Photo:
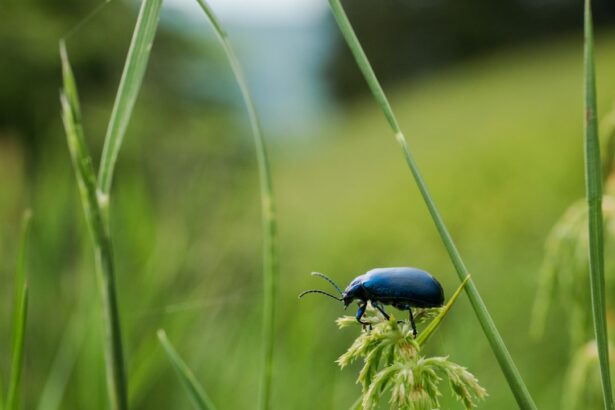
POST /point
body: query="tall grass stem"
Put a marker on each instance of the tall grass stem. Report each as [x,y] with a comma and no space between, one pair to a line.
[105,273]
[200,400]
[593,183]
[270,253]
[516,383]
[20,315]
[95,193]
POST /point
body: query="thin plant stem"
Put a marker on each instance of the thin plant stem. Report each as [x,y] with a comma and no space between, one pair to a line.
[20,304]
[95,194]
[593,183]
[200,400]
[516,383]
[433,325]
[270,253]
[105,273]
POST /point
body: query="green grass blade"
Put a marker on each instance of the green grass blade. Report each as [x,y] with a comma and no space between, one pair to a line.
[197,395]
[433,325]
[130,84]
[270,254]
[20,304]
[86,180]
[516,383]
[593,183]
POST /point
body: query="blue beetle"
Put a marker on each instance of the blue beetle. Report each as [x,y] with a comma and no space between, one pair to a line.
[403,288]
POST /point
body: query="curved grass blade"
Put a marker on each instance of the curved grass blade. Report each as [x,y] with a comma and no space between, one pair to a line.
[433,325]
[197,395]
[128,90]
[270,253]
[516,383]
[593,183]
[105,271]
[20,304]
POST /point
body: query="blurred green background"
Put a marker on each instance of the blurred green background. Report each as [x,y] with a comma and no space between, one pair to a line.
[497,131]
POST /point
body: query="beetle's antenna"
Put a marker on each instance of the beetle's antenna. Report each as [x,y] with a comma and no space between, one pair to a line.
[319,291]
[328,279]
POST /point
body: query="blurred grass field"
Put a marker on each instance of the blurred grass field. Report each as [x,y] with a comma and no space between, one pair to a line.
[187,233]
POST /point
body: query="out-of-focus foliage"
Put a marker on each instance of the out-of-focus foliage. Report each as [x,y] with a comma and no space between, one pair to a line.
[29,73]
[175,143]
[186,215]
[406,38]
[582,389]
[564,279]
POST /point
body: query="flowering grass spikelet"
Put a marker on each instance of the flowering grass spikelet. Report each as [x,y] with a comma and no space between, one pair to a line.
[392,365]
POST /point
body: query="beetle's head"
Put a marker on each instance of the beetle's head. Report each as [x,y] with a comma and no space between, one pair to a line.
[352,292]
[347,301]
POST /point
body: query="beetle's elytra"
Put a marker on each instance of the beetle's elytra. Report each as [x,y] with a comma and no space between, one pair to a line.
[403,288]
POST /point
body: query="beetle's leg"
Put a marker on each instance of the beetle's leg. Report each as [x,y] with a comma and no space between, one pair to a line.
[381,309]
[401,307]
[360,314]
[412,322]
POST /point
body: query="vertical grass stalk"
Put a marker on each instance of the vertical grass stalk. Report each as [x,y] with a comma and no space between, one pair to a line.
[270,258]
[200,400]
[95,193]
[20,304]
[593,183]
[105,273]
[516,383]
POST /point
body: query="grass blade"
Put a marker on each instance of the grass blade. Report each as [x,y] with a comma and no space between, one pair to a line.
[20,316]
[130,84]
[593,183]
[270,254]
[197,395]
[433,325]
[516,383]
[86,180]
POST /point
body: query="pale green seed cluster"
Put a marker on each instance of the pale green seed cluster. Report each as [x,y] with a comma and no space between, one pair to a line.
[393,366]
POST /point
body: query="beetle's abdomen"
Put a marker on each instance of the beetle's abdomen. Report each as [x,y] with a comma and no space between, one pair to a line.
[403,285]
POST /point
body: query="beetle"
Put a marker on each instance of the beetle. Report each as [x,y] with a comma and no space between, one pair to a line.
[403,288]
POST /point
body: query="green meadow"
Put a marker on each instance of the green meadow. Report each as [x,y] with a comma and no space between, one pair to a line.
[499,140]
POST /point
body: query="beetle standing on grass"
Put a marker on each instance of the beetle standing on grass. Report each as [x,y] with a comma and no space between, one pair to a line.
[403,288]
